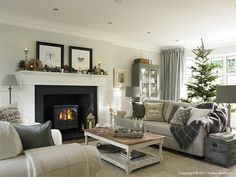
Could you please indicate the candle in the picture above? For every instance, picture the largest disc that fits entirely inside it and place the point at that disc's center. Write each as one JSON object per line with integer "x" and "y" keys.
{"x": 99, "y": 62}
{"x": 26, "y": 49}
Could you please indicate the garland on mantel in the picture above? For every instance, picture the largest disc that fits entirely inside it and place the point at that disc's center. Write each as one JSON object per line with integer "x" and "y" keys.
{"x": 36, "y": 65}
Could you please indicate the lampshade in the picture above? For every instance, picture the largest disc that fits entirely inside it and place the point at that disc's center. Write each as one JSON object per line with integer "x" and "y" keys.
{"x": 9, "y": 80}
{"x": 133, "y": 92}
{"x": 226, "y": 93}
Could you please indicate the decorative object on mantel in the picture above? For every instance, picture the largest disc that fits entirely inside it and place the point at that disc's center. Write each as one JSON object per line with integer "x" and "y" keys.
{"x": 81, "y": 58}
{"x": 98, "y": 70}
{"x": 26, "y": 51}
{"x": 21, "y": 65}
{"x": 68, "y": 69}
{"x": 34, "y": 65}
{"x": 50, "y": 54}
{"x": 9, "y": 80}
{"x": 46, "y": 68}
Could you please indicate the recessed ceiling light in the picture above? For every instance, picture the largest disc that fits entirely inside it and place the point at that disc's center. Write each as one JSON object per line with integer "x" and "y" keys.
{"x": 109, "y": 23}
{"x": 55, "y": 9}
{"x": 149, "y": 32}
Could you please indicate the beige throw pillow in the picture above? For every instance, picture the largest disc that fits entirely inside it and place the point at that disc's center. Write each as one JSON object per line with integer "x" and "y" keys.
{"x": 153, "y": 112}
{"x": 10, "y": 143}
{"x": 198, "y": 114}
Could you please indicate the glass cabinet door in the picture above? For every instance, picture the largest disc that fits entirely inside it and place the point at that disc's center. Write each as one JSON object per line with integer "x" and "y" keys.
{"x": 146, "y": 76}
{"x": 153, "y": 83}
{"x": 144, "y": 82}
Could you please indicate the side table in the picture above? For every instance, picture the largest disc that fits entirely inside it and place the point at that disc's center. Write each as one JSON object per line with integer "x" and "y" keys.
{"x": 220, "y": 151}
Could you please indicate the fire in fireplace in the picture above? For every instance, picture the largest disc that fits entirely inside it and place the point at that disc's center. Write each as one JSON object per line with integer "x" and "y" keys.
{"x": 65, "y": 116}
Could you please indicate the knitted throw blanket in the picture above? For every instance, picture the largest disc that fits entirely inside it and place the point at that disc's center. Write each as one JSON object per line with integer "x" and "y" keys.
{"x": 184, "y": 135}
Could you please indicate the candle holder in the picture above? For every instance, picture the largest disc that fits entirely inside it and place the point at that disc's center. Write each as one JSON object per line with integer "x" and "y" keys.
{"x": 26, "y": 51}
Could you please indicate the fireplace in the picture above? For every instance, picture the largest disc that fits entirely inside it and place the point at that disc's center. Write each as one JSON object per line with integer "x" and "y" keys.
{"x": 66, "y": 106}
{"x": 65, "y": 116}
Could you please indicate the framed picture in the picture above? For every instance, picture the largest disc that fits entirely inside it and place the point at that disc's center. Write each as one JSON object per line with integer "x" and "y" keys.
{"x": 120, "y": 77}
{"x": 50, "y": 54}
{"x": 80, "y": 58}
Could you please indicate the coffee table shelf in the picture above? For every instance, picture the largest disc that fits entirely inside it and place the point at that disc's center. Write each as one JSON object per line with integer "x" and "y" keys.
{"x": 129, "y": 165}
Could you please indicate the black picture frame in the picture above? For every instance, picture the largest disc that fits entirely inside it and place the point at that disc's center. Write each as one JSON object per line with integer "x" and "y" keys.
{"x": 84, "y": 56}
{"x": 54, "y": 58}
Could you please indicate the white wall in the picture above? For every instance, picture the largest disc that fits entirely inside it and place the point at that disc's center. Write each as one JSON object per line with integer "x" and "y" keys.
{"x": 13, "y": 40}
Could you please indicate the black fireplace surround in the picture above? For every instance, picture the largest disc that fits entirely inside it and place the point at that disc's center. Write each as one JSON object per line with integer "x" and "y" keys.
{"x": 48, "y": 96}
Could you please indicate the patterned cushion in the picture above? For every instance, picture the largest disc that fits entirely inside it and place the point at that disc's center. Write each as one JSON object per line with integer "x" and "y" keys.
{"x": 10, "y": 114}
{"x": 175, "y": 107}
{"x": 153, "y": 111}
{"x": 181, "y": 116}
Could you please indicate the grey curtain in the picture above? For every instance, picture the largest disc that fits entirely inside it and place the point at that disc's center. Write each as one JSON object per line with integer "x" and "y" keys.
{"x": 171, "y": 73}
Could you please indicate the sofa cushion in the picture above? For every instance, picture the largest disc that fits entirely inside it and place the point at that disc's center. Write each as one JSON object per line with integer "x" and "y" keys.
{"x": 138, "y": 109}
{"x": 181, "y": 116}
{"x": 35, "y": 136}
{"x": 162, "y": 128}
{"x": 153, "y": 112}
{"x": 164, "y": 110}
{"x": 198, "y": 114}
{"x": 172, "y": 108}
{"x": 10, "y": 114}
{"x": 10, "y": 143}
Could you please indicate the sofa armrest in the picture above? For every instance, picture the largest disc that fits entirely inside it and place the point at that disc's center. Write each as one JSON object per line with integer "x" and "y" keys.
{"x": 57, "y": 137}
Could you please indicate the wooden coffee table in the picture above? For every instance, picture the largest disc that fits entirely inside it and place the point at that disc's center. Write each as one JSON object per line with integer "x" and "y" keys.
{"x": 126, "y": 163}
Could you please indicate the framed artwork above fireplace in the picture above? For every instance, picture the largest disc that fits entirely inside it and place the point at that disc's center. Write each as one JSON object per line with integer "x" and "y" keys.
{"x": 80, "y": 58}
{"x": 50, "y": 54}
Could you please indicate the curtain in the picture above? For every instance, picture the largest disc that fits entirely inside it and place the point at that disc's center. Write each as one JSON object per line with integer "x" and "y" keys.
{"x": 171, "y": 73}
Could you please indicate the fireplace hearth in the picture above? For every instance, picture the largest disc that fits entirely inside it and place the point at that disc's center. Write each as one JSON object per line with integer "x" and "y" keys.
{"x": 66, "y": 106}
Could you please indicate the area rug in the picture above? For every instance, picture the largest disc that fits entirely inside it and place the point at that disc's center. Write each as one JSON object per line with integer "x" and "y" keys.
{"x": 174, "y": 165}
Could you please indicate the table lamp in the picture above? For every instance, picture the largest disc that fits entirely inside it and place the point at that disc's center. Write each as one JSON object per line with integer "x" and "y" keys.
{"x": 226, "y": 94}
{"x": 133, "y": 93}
{"x": 9, "y": 80}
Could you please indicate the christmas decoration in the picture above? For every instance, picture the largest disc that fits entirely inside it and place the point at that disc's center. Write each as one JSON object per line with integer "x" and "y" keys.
{"x": 34, "y": 65}
{"x": 202, "y": 88}
{"x": 21, "y": 65}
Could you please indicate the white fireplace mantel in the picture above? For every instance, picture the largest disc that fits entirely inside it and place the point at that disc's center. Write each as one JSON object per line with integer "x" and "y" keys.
{"x": 28, "y": 80}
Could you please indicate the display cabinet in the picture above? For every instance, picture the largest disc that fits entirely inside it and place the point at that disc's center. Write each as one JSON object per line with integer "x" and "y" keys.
{"x": 146, "y": 76}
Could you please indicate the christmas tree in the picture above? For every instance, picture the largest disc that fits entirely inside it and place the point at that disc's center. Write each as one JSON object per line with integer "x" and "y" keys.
{"x": 202, "y": 87}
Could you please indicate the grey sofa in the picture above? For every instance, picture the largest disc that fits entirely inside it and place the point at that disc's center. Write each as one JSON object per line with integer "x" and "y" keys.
{"x": 163, "y": 128}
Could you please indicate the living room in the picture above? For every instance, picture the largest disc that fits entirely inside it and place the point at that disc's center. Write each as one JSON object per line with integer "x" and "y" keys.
{"x": 113, "y": 33}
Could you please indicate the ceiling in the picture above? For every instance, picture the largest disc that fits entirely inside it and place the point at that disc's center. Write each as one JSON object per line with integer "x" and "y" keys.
{"x": 171, "y": 22}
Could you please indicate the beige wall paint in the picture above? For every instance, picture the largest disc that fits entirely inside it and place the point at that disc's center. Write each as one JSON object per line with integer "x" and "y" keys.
{"x": 13, "y": 40}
